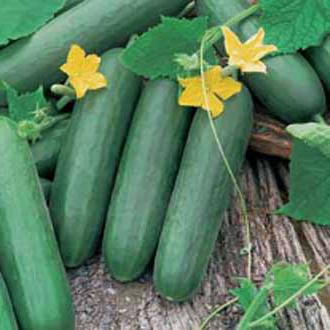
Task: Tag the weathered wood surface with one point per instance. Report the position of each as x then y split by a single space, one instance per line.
103 303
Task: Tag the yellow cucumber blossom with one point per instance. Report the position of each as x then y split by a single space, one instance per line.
247 56
218 89
83 72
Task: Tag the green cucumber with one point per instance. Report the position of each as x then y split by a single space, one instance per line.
7 316
145 180
89 159
291 90
319 57
46 150
201 195
46 186
29 260
96 25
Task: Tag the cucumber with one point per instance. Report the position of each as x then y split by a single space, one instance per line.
46 150
201 195
29 260
319 57
89 159
145 180
96 25
7 316
46 186
291 90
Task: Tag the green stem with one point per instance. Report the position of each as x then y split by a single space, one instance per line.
216 311
63 102
187 10
319 119
52 121
291 299
215 33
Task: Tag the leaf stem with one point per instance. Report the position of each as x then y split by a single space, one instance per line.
51 121
216 311
291 299
187 10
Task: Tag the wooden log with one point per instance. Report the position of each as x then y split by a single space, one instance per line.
103 303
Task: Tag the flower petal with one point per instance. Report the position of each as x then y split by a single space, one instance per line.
262 51
254 67
227 88
186 82
91 63
75 60
213 76
96 81
192 96
232 43
79 86
214 104
257 39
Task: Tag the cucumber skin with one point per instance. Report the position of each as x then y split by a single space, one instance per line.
89 159
201 195
29 260
319 57
145 180
7 316
46 150
291 90
96 26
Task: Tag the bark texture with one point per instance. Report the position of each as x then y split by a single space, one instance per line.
102 303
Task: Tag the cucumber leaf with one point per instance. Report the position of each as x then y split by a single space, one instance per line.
153 54
247 295
295 24
20 18
289 279
23 107
309 195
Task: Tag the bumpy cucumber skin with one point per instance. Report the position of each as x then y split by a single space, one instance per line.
96 26
89 159
145 180
46 150
291 90
319 57
29 260
201 195
7 316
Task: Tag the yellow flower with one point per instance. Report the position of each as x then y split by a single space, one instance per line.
82 71
247 55
218 88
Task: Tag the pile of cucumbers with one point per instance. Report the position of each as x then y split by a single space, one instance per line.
131 169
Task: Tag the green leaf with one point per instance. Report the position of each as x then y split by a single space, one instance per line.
295 24
23 107
20 18
289 279
309 196
247 295
152 54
